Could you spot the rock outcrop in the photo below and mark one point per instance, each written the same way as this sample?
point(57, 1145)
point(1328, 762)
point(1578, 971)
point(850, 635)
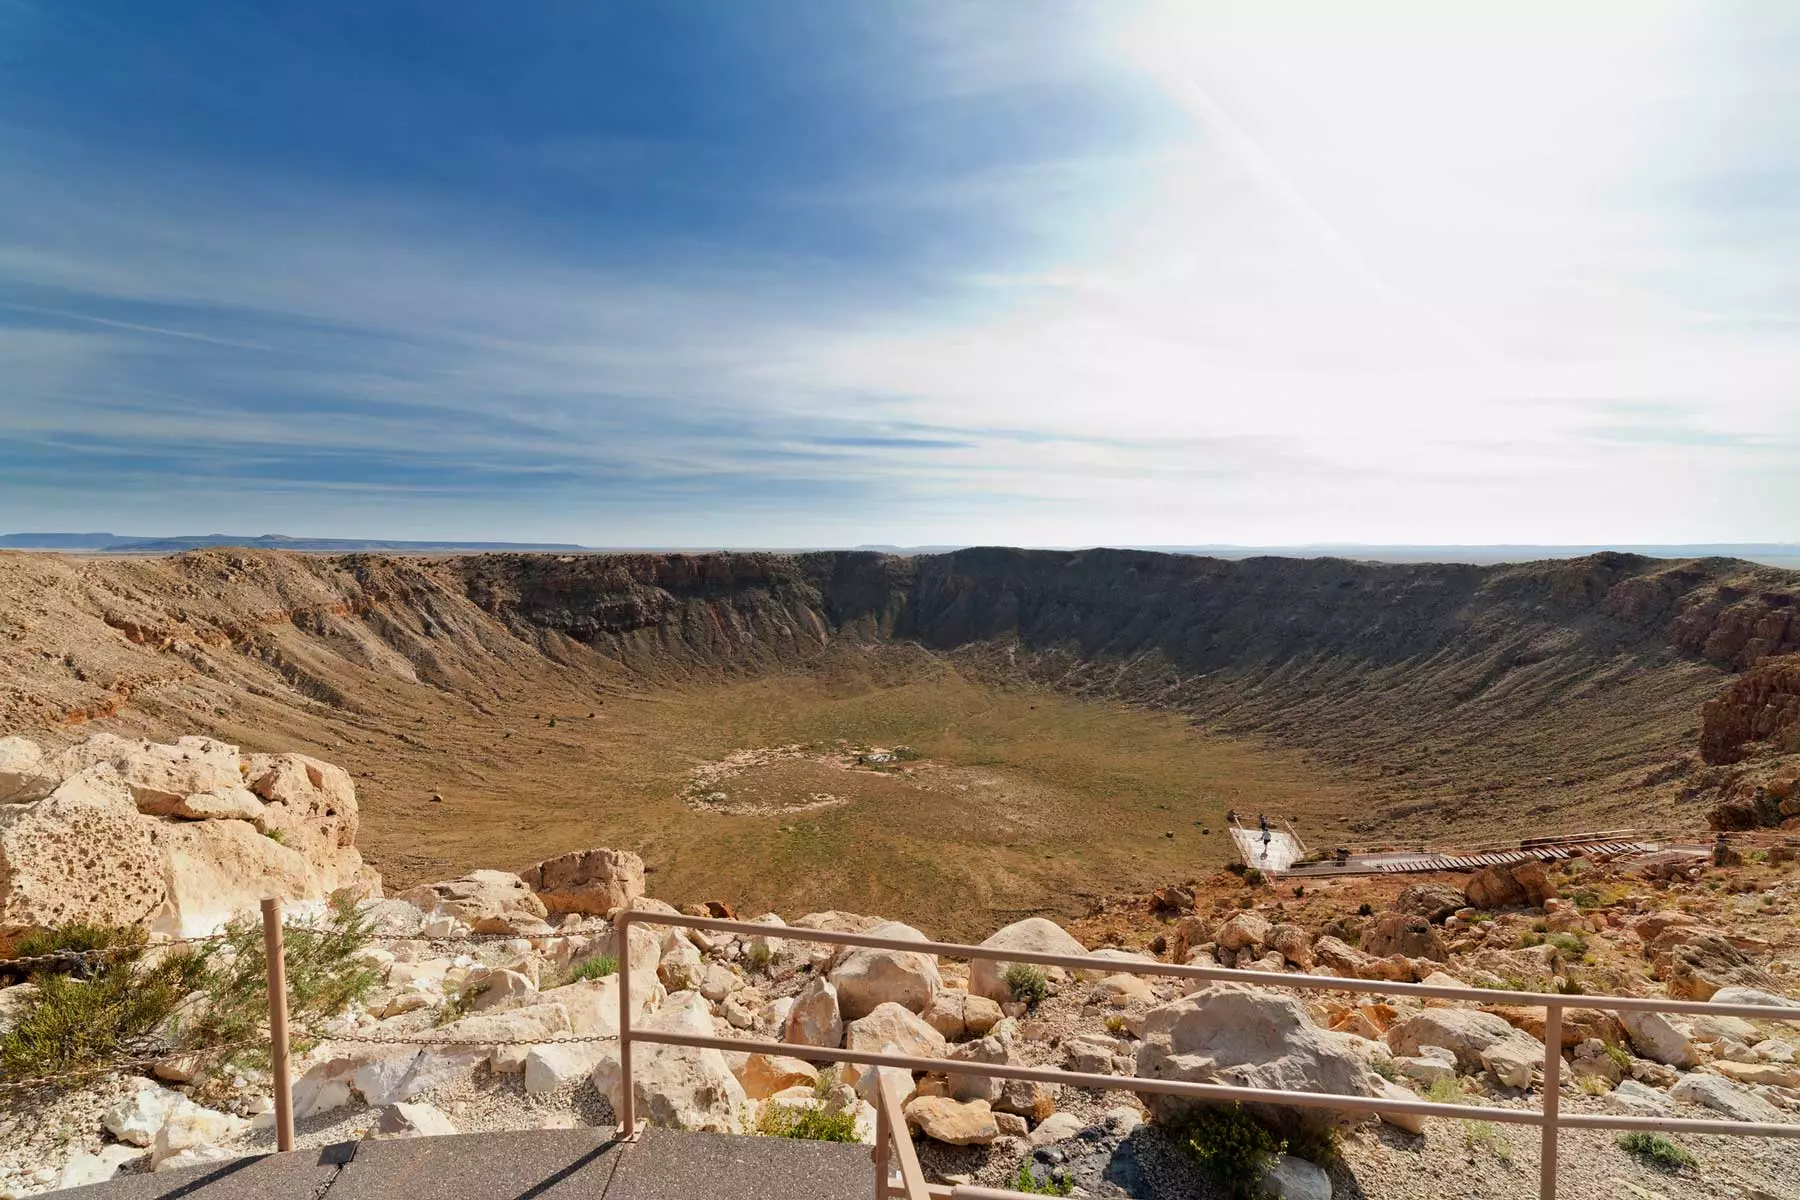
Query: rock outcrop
point(1252, 1039)
point(987, 977)
point(587, 881)
point(181, 837)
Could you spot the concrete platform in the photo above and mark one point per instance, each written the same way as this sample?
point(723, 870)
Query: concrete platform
point(544, 1164)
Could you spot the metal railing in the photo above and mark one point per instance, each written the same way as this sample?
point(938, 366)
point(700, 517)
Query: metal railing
point(891, 1123)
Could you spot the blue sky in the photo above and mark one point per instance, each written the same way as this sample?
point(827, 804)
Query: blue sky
point(796, 272)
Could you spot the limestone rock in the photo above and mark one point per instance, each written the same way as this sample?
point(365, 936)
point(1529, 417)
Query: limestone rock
point(135, 1119)
point(677, 1087)
point(190, 1126)
point(893, 1029)
point(815, 1019)
point(84, 1168)
point(957, 1014)
point(1635, 1099)
point(1122, 991)
point(160, 777)
point(511, 1025)
point(1400, 933)
point(765, 1074)
point(1721, 1095)
point(1433, 901)
point(24, 772)
point(226, 804)
point(216, 870)
point(548, 1068)
point(1188, 934)
point(505, 989)
point(1251, 1039)
point(1294, 944)
point(1478, 1040)
point(1352, 963)
point(480, 895)
point(987, 977)
point(1093, 1053)
point(1702, 962)
point(1431, 1064)
point(588, 881)
point(866, 978)
point(1245, 931)
point(1522, 884)
point(410, 1121)
point(1655, 1037)
point(1057, 1127)
point(953, 1122)
point(1296, 1179)
point(83, 854)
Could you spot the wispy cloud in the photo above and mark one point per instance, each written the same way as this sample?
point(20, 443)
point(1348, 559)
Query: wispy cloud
point(1253, 272)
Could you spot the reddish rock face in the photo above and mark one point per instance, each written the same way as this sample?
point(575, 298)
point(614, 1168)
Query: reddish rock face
point(1761, 705)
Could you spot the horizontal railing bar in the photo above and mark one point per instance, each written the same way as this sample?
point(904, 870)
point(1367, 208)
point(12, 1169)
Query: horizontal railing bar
point(1109, 1083)
point(1677, 1125)
point(1116, 966)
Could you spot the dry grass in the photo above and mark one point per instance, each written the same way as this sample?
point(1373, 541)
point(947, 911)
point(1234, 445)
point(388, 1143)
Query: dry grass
point(1024, 799)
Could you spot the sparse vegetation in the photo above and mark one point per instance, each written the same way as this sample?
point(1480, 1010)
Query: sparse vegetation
point(597, 967)
point(1053, 1184)
point(807, 1122)
point(209, 1002)
point(1384, 1067)
point(1485, 1135)
point(276, 836)
point(1445, 1091)
point(1234, 1147)
point(1653, 1149)
point(1028, 984)
point(1571, 946)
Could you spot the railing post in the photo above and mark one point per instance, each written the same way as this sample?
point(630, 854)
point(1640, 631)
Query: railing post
point(628, 1130)
point(1553, 1014)
point(880, 1151)
point(279, 1064)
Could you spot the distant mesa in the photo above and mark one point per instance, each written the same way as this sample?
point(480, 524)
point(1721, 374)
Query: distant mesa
point(108, 543)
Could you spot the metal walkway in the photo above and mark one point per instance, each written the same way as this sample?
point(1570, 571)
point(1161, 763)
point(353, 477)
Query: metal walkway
point(543, 1164)
point(1609, 844)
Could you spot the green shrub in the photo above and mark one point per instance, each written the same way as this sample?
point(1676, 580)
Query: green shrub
point(1620, 1057)
point(1384, 1067)
point(118, 1012)
point(1570, 945)
point(211, 1002)
point(1029, 985)
point(1445, 1091)
point(276, 836)
point(1478, 1134)
point(807, 1123)
point(1656, 1150)
point(1234, 1147)
point(1053, 1184)
point(597, 967)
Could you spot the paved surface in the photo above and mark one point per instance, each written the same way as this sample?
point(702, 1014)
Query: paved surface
point(1279, 853)
point(545, 1164)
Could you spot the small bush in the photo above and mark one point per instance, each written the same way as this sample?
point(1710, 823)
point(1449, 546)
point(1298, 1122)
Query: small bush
point(1253, 877)
point(1029, 985)
point(1445, 1091)
point(597, 967)
point(1384, 1067)
point(1234, 1147)
point(1365, 909)
point(1480, 1134)
point(1620, 1057)
point(117, 1012)
point(1053, 1184)
point(758, 955)
point(1593, 1085)
point(276, 836)
point(1570, 945)
point(808, 1123)
point(1655, 1150)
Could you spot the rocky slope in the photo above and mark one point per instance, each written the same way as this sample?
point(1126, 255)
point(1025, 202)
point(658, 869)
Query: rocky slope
point(1453, 695)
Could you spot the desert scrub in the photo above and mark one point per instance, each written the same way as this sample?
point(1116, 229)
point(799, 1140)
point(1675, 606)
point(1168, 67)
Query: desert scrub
point(1478, 1135)
point(210, 1002)
point(1232, 1146)
point(1445, 1091)
point(326, 974)
point(1653, 1149)
point(1028, 984)
point(810, 1122)
point(1053, 1184)
point(597, 967)
point(1571, 946)
point(1385, 1068)
point(127, 941)
point(119, 1011)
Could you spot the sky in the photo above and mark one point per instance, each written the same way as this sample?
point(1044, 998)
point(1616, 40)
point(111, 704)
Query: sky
point(801, 272)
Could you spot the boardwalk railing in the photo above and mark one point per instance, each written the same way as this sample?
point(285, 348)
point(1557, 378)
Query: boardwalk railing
point(894, 1144)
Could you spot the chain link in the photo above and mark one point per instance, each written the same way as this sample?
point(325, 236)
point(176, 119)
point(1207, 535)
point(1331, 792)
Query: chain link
point(81, 956)
point(558, 1039)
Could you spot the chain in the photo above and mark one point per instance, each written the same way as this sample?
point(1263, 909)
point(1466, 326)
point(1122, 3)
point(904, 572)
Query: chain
point(581, 931)
point(41, 1081)
point(65, 957)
